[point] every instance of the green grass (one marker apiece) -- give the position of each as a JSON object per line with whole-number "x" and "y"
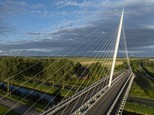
{"x": 42, "y": 88}
{"x": 87, "y": 60}
{"x": 130, "y": 113}
{"x": 139, "y": 108}
{"x": 149, "y": 70}
{"x": 66, "y": 91}
{"x": 4, "y": 109}
{"x": 142, "y": 85}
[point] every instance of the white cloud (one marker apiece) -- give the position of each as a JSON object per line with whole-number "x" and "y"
{"x": 67, "y": 3}
{"x": 24, "y": 4}
{"x": 145, "y": 47}
{"x": 137, "y": 13}
{"x": 84, "y": 4}
{"x": 135, "y": 52}
{"x": 149, "y": 27}
{"x": 35, "y": 50}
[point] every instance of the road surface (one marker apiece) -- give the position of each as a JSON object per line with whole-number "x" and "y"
{"x": 19, "y": 108}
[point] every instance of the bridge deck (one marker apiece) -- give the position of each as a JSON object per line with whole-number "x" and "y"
{"x": 73, "y": 106}
{"x": 104, "y": 104}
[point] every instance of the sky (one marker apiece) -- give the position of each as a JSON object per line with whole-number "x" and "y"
{"x": 56, "y": 27}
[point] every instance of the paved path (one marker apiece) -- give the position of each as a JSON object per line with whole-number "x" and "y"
{"x": 19, "y": 108}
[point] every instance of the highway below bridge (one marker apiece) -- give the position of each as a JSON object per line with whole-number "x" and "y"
{"x": 102, "y": 106}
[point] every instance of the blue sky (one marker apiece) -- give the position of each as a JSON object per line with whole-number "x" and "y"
{"x": 43, "y": 27}
{"x": 31, "y": 17}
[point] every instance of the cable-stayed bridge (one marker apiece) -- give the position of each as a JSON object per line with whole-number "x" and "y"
{"x": 107, "y": 95}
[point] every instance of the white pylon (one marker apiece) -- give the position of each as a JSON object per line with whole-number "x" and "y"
{"x": 116, "y": 48}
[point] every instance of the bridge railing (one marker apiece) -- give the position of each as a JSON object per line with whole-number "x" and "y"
{"x": 76, "y": 95}
{"x": 86, "y": 106}
{"x": 122, "y": 105}
{"x": 65, "y": 102}
{"x": 115, "y": 101}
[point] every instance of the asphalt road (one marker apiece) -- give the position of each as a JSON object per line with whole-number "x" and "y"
{"x": 103, "y": 105}
{"x": 79, "y": 101}
{"x": 19, "y": 108}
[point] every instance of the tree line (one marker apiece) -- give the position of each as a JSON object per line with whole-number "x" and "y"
{"x": 51, "y": 69}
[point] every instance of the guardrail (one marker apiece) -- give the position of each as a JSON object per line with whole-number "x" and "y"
{"x": 122, "y": 105}
{"x": 115, "y": 101}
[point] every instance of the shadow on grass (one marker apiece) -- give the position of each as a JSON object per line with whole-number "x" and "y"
{"x": 143, "y": 83}
{"x": 58, "y": 97}
{"x": 130, "y": 113}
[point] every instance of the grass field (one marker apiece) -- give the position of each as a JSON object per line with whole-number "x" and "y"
{"x": 139, "y": 108}
{"x": 130, "y": 113}
{"x": 149, "y": 70}
{"x": 4, "y": 109}
{"x": 142, "y": 85}
{"x": 104, "y": 61}
{"x": 43, "y": 88}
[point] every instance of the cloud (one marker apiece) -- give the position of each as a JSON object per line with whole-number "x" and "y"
{"x": 63, "y": 40}
{"x": 23, "y": 4}
{"x": 138, "y": 21}
{"x": 67, "y": 3}
{"x": 85, "y": 18}
{"x": 34, "y": 33}
{"x": 149, "y": 27}
{"x": 64, "y": 3}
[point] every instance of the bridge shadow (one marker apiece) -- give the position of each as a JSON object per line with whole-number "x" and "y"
{"x": 59, "y": 97}
{"x": 83, "y": 72}
{"x": 130, "y": 113}
{"x": 143, "y": 82}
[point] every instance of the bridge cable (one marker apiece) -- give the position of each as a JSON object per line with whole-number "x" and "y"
{"x": 34, "y": 76}
{"x": 96, "y": 69}
{"x": 43, "y": 59}
{"x": 57, "y": 93}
